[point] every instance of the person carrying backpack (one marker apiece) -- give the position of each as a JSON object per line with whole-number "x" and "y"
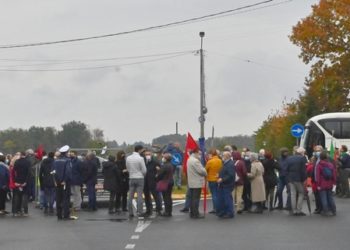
{"x": 325, "y": 179}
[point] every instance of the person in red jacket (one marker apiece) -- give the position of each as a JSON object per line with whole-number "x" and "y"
{"x": 326, "y": 178}
{"x": 241, "y": 174}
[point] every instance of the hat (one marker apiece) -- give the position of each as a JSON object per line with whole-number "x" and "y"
{"x": 64, "y": 149}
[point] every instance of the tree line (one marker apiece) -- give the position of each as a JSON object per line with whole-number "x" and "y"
{"x": 324, "y": 40}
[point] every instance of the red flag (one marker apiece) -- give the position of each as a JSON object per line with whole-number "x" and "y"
{"x": 191, "y": 144}
{"x": 40, "y": 152}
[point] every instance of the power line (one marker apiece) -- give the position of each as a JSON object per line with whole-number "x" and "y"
{"x": 94, "y": 68}
{"x": 258, "y": 63}
{"x": 186, "y": 21}
{"x": 69, "y": 61}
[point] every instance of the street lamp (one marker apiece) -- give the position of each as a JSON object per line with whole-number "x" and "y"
{"x": 203, "y": 108}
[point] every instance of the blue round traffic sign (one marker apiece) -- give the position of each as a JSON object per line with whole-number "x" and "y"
{"x": 176, "y": 159}
{"x": 297, "y": 130}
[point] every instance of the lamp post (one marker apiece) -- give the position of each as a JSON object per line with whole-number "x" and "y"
{"x": 203, "y": 108}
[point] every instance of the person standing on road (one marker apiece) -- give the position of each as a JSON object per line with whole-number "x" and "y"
{"x": 344, "y": 172}
{"x": 296, "y": 173}
{"x": 226, "y": 183}
{"x": 257, "y": 183}
{"x": 122, "y": 193}
{"x": 63, "y": 175}
{"x": 4, "y": 183}
{"x": 241, "y": 173}
{"x": 136, "y": 167}
{"x": 47, "y": 182}
{"x": 282, "y": 180}
{"x": 22, "y": 175}
{"x": 166, "y": 175}
{"x": 247, "y": 191}
{"x": 77, "y": 180}
{"x": 112, "y": 180}
{"x": 213, "y": 167}
{"x": 90, "y": 179}
{"x": 316, "y": 159}
{"x": 326, "y": 176}
{"x": 152, "y": 165}
{"x": 270, "y": 177}
{"x": 196, "y": 174}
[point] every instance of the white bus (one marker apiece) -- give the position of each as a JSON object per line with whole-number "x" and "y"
{"x": 321, "y": 129}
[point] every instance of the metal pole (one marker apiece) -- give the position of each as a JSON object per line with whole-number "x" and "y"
{"x": 212, "y": 137}
{"x": 177, "y": 128}
{"x": 202, "y": 90}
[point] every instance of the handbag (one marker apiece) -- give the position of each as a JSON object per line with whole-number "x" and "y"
{"x": 162, "y": 185}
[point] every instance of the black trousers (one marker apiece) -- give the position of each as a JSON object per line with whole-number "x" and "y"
{"x": 62, "y": 201}
{"x": 3, "y": 194}
{"x": 121, "y": 200}
{"x": 148, "y": 200}
{"x": 195, "y": 195}
{"x": 246, "y": 195}
{"x": 168, "y": 201}
{"x": 20, "y": 200}
{"x": 318, "y": 203}
{"x": 112, "y": 203}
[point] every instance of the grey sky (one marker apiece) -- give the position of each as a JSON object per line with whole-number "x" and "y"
{"x": 140, "y": 102}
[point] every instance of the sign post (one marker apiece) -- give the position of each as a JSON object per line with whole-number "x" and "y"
{"x": 297, "y": 130}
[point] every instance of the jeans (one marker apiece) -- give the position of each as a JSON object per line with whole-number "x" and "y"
{"x": 225, "y": 202}
{"x": 213, "y": 187}
{"x": 327, "y": 201}
{"x": 148, "y": 201}
{"x": 237, "y": 196}
{"x": 344, "y": 175}
{"x": 282, "y": 183}
{"x": 178, "y": 175}
{"x": 76, "y": 193}
{"x": 92, "y": 195}
{"x": 269, "y": 196}
{"x": 20, "y": 201}
{"x": 49, "y": 194}
{"x": 187, "y": 199}
{"x": 136, "y": 186}
{"x": 168, "y": 201}
{"x": 62, "y": 201}
{"x": 297, "y": 196}
{"x": 195, "y": 195}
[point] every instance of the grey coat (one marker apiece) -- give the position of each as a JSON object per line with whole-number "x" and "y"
{"x": 195, "y": 173}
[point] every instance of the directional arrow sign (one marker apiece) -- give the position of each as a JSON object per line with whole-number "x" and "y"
{"x": 297, "y": 130}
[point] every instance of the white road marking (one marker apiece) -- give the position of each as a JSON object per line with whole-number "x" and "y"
{"x": 135, "y": 237}
{"x": 130, "y": 246}
{"x": 142, "y": 225}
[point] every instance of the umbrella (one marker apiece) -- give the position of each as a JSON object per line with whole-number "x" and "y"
{"x": 308, "y": 200}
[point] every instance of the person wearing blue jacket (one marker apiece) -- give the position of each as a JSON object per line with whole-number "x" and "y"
{"x": 63, "y": 176}
{"x": 4, "y": 183}
{"x": 77, "y": 180}
{"x": 226, "y": 183}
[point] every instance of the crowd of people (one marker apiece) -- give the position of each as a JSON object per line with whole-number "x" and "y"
{"x": 238, "y": 181}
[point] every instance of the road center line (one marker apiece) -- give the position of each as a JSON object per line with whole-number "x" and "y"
{"x": 135, "y": 237}
{"x": 141, "y": 226}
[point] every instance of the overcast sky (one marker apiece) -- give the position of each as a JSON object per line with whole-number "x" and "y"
{"x": 142, "y": 101}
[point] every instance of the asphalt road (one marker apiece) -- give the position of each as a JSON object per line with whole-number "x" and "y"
{"x": 100, "y": 231}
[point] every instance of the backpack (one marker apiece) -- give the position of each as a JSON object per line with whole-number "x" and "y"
{"x": 327, "y": 172}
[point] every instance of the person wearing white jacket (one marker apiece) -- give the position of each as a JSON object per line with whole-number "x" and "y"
{"x": 196, "y": 174}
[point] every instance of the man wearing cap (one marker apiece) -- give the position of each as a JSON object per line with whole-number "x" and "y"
{"x": 62, "y": 173}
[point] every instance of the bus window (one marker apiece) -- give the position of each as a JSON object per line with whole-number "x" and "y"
{"x": 332, "y": 127}
{"x": 346, "y": 129}
{"x": 313, "y": 137}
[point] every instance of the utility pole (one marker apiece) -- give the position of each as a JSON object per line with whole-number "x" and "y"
{"x": 177, "y": 128}
{"x": 203, "y": 108}
{"x": 212, "y": 137}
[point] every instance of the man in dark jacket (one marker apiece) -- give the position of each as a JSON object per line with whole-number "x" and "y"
{"x": 122, "y": 194}
{"x": 282, "y": 179}
{"x": 152, "y": 166}
{"x": 77, "y": 179}
{"x": 47, "y": 182}
{"x": 226, "y": 183}
{"x": 344, "y": 172}
{"x": 112, "y": 180}
{"x": 296, "y": 175}
{"x": 21, "y": 178}
{"x": 90, "y": 179}
{"x": 63, "y": 176}
{"x": 4, "y": 183}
